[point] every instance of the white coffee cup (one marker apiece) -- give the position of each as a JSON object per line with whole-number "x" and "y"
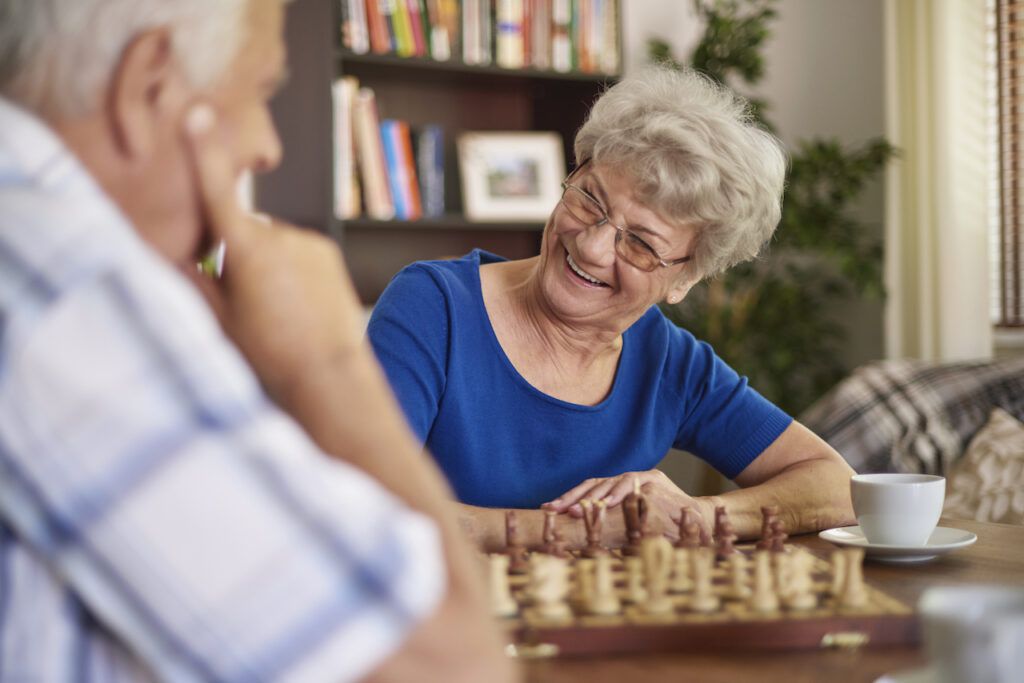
{"x": 974, "y": 634}
{"x": 897, "y": 509}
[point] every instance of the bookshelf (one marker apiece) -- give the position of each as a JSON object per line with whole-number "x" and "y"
{"x": 421, "y": 91}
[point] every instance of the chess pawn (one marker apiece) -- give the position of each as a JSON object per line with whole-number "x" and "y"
{"x": 838, "y": 573}
{"x": 604, "y": 600}
{"x": 635, "y": 592}
{"x": 738, "y": 574}
{"x": 704, "y": 598}
{"x": 559, "y": 546}
{"x": 764, "y": 598}
{"x": 656, "y": 554}
{"x": 502, "y": 603}
{"x": 549, "y": 586}
{"x": 725, "y": 538}
{"x": 779, "y": 536}
{"x": 768, "y": 514}
{"x": 854, "y": 593}
{"x": 780, "y": 563}
{"x": 681, "y": 571}
{"x": 583, "y": 592}
{"x": 800, "y": 589}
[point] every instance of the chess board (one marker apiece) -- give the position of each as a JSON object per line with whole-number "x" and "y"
{"x": 883, "y": 620}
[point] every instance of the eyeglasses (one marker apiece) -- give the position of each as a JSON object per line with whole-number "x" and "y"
{"x": 629, "y": 246}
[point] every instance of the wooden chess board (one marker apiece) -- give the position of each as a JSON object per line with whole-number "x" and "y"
{"x": 883, "y": 620}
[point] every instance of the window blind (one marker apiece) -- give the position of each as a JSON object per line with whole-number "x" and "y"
{"x": 1010, "y": 84}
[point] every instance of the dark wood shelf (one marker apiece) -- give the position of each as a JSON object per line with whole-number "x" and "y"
{"x": 456, "y": 68}
{"x": 447, "y": 222}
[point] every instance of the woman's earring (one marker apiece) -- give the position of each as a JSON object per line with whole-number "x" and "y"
{"x": 673, "y": 299}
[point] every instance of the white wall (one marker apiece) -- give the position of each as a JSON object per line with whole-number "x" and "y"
{"x": 824, "y": 77}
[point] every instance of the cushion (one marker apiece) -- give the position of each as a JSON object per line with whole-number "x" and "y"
{"x": 987, "y": 484}
{"x": 914, "y": 416}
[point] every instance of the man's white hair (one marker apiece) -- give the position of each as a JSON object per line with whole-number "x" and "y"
{"x": 58, "y": 55}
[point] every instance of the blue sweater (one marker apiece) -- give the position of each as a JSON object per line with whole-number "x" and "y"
{"x": 503, "y": 443}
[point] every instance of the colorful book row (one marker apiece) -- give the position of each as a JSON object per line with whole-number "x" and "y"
{"x": 383, "y": 168}
{"x": 562, "y": 35}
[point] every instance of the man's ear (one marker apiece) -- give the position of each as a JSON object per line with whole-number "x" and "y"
{"x": 144, "y": 90}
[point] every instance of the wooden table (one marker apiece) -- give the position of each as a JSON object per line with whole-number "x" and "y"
{"x": 996, "y": 558}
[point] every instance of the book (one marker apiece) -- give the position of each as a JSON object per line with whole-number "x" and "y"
{"x": 370, "y": 156}
{"x": 354, "y": 29}
{"x": 430, "y": 169}
{"x": 346, "y": 178}
{"x": 540, "y": 34}
{"x": 508, "y": 22}
{"x": 380, "y": 42}
{"x": 561, "y": 41}
{"x": 416, "y": 22}
{"x": 401, "y": 171}
{"x": 405, "y": 44}
{"x": 609, "y": 62}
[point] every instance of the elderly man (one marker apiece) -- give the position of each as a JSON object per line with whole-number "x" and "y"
{"x": 167, "y": 510}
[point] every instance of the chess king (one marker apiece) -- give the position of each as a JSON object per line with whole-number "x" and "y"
{"x": 553, "y": 379}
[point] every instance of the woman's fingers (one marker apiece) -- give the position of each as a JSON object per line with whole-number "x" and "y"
{"x": 572, "y": 496}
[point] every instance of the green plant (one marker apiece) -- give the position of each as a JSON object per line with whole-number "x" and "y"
{"x": 774, "y": 319}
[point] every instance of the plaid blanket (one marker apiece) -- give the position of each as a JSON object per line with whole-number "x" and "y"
{"x": 914, "y": 416}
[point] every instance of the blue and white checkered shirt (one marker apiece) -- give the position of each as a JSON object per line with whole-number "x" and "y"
{"x": 160, "y": 518}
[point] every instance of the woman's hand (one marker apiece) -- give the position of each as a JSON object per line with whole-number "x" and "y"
{"x": 664, "y": 498}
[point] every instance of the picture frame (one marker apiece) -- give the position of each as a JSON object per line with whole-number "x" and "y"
{"x": 510, "y": 176}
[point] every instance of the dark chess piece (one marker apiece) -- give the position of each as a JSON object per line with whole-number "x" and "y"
{"x": 593, "y": 518}
{"x": 514, "y": 546}
{"x": 634, "y": 512}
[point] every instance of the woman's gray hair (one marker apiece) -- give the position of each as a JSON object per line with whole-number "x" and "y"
{"x": 58, "y": 55}
{"x": 696, "y": 155}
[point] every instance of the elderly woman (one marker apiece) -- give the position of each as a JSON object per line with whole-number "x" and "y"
{"x": 545, "y": 381}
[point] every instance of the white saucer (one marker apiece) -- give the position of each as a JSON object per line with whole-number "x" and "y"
{"x": 942, "y": 540}
{"x": 925, "y": 674}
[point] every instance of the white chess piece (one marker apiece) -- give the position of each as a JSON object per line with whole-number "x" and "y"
{"x": 738, "y": 574}
{"x": 635, "y": 592}
{"x": 704, "y": 598}
{"x": 800, "y": 590}
{"x": 502, "y": 603}
{"x": 854, "y": 593}
{"x": 681, "y": 581}
{"x": 549, "y": 586}
{"x": 604, "y": 601}
{"x": 656, "y": 554}
{"x": 764, "y": 598}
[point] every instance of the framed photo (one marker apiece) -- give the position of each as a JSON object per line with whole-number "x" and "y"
{"x": 510, "y": 176}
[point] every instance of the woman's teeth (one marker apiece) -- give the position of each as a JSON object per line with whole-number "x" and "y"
{"x": 582, "y": 273}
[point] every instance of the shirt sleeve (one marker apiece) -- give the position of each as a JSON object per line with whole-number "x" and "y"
{"x": 726, "y": 422}
{"x": 191, "y": 517}
{"x": 410, "y": 331}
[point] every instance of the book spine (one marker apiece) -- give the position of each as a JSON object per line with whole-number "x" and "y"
{"x": 561, "y": 44}
{"x": 405, "y": 45}
{"x": 387, "y": 11}
{"x": 610, "y": 37}
{"x": 471, "y": 32}
{"x": 393, "y": 165}
{"x": 354, "y": 30}
{"x": 430, "y": 163}
{"x": 540, "y": 56}
{"x": 410, "y": 184}
{"x": 486, "y": 32}
{"x": 378, "y": 27}
{"x": 344, "y": 152}
{"x": 509, "y": 34}
{"x": 370, "y": 155}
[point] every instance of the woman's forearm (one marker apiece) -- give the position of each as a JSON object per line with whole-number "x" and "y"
{"x": 811, "y": 495}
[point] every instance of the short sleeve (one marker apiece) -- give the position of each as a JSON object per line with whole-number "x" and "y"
{"x": 409, "y": 331}
{"x": 726, "y": 422}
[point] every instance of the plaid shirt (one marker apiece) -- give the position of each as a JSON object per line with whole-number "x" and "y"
{"x": 160, "y": 518}
{"x": 914, "y": 416}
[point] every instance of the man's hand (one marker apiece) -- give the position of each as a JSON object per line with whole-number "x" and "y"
{"x": 664, "y": 499}
{"x": 285, "y": 297}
